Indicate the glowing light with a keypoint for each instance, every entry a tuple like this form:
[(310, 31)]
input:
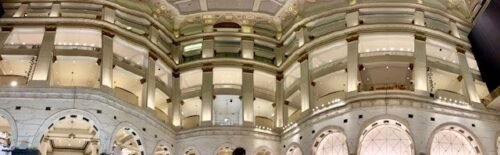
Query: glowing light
[(13, 84)]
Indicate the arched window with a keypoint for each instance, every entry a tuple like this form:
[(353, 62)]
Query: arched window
[(294, 150), (191, 151), (330, 142), (127, 142), (224, 151), (498, 145), (386, 137), (454, 140), (70, 134), (162, 150), (263, 151)]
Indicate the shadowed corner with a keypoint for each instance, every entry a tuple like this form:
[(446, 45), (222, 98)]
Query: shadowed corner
[(1, 10)]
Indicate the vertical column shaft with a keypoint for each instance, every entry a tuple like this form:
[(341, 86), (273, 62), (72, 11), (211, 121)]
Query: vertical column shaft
[(420, 64), (41, 75), (247, 92), (280, 108), (55, 10), (302, 36), (4, 34), (175, 111), (108, 14), (352, 63), (305, 84), (207, 89), (470, 90), (107, 61), (352, 19), (207, 47), (150, 86), (247, 48), (419, 18), (21, 10), (280, 55)]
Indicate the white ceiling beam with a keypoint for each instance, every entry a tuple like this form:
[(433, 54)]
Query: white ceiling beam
[(203, 5), (256, 5)]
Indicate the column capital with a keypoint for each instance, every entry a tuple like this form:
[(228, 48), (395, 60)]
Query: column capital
[(108, 33), (176, 74), (153, 56), (208, 38), (247, 68), (7, 28), (352, 37), (50, 27), (279, 76), (303, 57), (420, 36), (461, 49), (207, 68), (247, 38)]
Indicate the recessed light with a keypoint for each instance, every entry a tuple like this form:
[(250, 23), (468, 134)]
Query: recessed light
[(13, 84)]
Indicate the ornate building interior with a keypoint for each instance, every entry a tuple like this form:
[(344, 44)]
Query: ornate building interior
[(236, 77)]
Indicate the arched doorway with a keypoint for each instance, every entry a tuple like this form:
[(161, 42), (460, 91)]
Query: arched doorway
[(294, 150), (162, 149), (239, 151), (126, 141), (263, 151), (226, 150), (454, 140), (191, 151), (6, 134), (330, 142), (70, 134), (386, 137)]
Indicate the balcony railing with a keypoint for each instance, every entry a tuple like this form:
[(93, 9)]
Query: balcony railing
[(386, 86), (77, 47), (21, 46)]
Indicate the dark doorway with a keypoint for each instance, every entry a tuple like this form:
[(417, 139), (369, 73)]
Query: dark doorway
[(239, 151)]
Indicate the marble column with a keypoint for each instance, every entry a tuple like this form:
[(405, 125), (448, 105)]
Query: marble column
[(55, 10), (4, 34), (21, 10), (469, 88), (454, 29), (419, 18), (207, 97), (352, 19), (153, 34), (108, 14), (175, 111), (148, 100), (207, 47), (420, 64), (302, 36), (106, 61), (279, 55), (41, 75), (280, 107), (247, 48), (247, 92), (306, 93), (352, 64)]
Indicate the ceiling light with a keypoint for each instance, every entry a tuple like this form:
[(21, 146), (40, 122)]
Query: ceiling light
[(13, 83), (128, 28), (386, 67)]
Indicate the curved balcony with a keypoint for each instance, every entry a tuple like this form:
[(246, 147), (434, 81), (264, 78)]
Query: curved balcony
[(321, 59)]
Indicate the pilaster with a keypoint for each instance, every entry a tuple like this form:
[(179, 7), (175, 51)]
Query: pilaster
[(207, 88), (352, 64), (306, 93), (247, 92), (41, 75), (420, 64)]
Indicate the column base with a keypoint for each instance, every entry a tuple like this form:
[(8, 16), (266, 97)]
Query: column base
[(107, 90), (249, 124), (206, 124), (39, 83)]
